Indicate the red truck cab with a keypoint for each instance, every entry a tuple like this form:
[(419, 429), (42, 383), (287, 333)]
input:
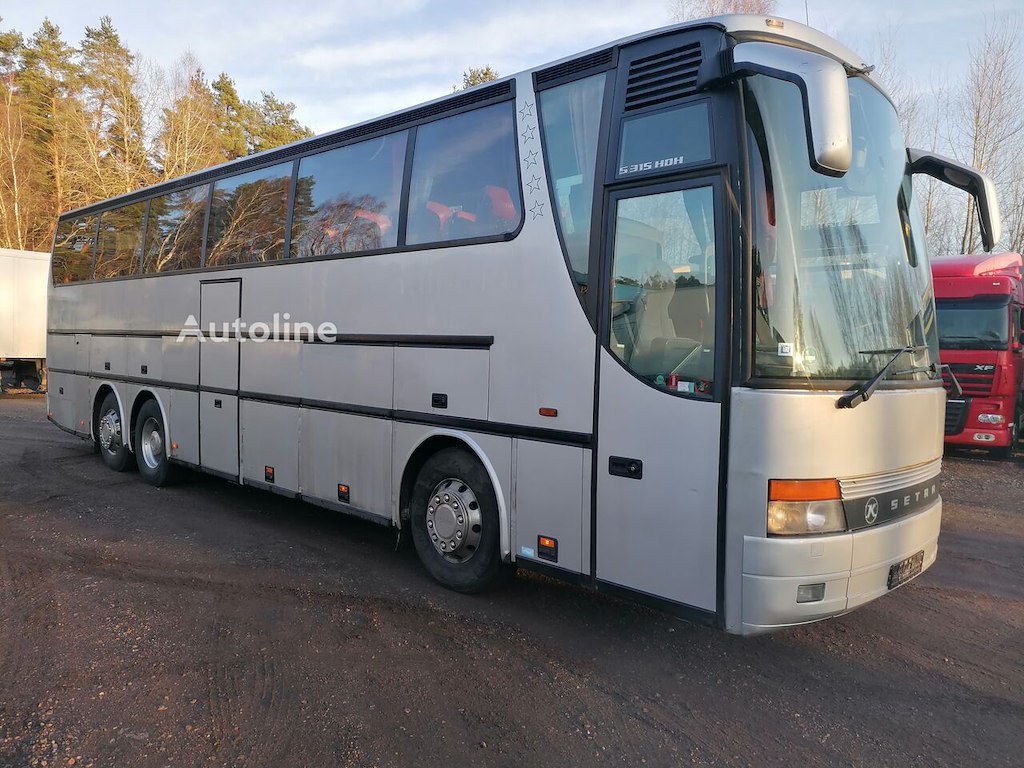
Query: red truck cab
[(979, 303)]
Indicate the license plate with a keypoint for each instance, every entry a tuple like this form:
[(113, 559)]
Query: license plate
[(905, 570)]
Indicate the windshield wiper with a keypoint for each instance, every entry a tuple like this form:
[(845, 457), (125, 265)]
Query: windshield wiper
[(865, 389)]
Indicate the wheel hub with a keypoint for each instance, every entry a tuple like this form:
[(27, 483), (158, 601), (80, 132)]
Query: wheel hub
[(454, 520), (110, 431), (152, 443)]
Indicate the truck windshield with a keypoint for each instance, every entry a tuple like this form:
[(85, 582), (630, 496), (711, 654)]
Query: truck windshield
[(840, 274), (974, 324)]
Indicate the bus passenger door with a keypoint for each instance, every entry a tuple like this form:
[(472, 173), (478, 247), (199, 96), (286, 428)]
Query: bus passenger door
[(220, 303), (659, 404)]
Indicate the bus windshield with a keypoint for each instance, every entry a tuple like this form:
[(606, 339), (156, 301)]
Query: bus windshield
[(974, 324), (840, 275)]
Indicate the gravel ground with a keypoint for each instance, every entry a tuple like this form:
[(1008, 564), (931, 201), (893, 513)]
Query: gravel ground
[(208, 624)]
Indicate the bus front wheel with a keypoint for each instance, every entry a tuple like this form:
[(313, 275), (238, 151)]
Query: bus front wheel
[(110, 435), (151, 445), (454, 519)]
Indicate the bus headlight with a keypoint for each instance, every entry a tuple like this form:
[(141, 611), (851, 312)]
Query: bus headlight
[(798, 507), (991, 418), (789, 518)]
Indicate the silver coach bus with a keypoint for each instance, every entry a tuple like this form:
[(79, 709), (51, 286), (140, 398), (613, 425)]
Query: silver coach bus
[(607, 319)]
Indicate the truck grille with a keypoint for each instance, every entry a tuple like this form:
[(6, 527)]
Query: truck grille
[(974, 379), (956, 415)]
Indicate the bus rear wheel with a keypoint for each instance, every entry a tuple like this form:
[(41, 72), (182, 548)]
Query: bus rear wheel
[(151, 446), (454, 519), (110, 435)]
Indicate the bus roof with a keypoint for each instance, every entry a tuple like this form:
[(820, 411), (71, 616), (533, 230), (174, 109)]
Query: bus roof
[(741, 26)]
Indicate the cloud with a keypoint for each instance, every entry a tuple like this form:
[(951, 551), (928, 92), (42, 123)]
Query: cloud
[(370, 75)]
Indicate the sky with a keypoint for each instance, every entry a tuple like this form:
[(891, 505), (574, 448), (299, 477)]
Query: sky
[(346, 61)]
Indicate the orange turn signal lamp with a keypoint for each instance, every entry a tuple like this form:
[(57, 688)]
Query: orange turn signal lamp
[(803, 490)]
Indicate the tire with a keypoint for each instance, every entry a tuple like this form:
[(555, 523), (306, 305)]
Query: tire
[(110, 428), (454, 520), (151, 446)]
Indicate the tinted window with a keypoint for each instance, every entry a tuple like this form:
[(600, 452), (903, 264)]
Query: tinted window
[(347, 199), (248, 217), (663, 294), (73, 250), (664, 140), (571, 121), (120, 238), (464, 179), (174, 233)]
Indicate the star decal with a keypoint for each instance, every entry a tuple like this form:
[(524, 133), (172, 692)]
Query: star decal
[(530, 159), (527, 110), (528, 134), (537, 210), (534, 184)]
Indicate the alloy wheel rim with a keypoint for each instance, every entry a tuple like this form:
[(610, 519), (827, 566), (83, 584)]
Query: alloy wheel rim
[(454, 521)]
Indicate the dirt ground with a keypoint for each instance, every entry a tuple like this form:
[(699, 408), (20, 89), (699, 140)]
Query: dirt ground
[(208, 624)]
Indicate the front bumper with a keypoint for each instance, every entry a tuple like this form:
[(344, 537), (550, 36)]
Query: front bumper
[(853, 566)]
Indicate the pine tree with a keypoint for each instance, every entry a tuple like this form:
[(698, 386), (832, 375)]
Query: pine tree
[(118, 119), (231, 117)]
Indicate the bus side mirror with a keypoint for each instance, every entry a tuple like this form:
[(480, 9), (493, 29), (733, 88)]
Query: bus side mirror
[(972, 181), (823, 89)]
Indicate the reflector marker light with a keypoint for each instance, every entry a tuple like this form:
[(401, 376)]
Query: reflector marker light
[(803, 490), (551, 412), (547, 548)]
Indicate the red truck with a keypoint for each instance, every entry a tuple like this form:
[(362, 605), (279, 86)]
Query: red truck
[(979, 302)]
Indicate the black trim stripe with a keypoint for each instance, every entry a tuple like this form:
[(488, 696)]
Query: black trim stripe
[(540, 434), (553, 572), (439, 341), (412, 340), (347, 509), (135, 380), (662, 604), (62, 428)]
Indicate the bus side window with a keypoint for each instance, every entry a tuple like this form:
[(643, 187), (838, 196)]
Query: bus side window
[(120, 238), (463, 175), (73, 250), (347, 199), (248, 216), (174, 230)]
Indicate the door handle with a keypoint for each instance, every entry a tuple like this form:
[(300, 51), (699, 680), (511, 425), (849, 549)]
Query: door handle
[(620, 466)]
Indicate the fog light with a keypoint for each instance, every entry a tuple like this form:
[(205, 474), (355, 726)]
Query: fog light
[(810, 593), (984, 437), (991, 418)]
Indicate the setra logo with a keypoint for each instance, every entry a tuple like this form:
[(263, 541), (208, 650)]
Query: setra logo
[(871, 510)]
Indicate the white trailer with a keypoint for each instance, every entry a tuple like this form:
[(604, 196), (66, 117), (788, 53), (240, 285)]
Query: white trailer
[(24, 277)]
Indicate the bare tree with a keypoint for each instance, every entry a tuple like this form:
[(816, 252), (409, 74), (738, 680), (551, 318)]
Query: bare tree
[(189, 139), (683, 10), (989, 123)]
